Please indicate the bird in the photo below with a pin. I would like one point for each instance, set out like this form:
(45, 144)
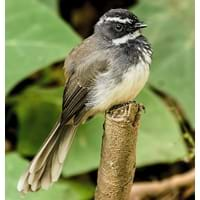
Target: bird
(108, 68)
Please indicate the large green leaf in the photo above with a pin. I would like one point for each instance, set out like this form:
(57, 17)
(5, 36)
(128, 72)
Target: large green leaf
(37, 110)
(53, 4)
(171, 31)
(85, 152)
(62, 190)
(160, 139)
(35, 37)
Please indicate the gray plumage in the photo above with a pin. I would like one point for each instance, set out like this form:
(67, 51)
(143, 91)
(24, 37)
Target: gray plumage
(107, 68)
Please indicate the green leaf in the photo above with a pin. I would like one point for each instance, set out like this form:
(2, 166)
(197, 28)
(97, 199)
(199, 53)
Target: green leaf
(159, 136)
(63, 189)
(171, 31)
(35, 38)
(53, 4)
(159, 139)
(37, 111)
(84, 154)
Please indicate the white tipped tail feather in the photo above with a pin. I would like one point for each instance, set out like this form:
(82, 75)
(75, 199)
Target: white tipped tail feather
(47, 165)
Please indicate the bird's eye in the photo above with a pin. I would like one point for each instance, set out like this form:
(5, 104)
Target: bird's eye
(118, 27)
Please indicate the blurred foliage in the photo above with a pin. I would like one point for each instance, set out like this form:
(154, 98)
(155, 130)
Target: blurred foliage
(63, 189)
(53, 4)
(36, 38)
(172, 37)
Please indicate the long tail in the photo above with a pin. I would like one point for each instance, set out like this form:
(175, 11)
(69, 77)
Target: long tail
(47, 165)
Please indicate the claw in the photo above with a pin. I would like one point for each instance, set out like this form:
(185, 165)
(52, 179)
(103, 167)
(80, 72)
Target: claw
(142, 108)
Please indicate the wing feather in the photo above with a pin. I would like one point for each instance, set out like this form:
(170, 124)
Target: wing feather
(73, 103)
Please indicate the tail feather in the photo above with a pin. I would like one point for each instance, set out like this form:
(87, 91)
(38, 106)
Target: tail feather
(56, 168)
(46, 148)
(47, 165)
(65, 143)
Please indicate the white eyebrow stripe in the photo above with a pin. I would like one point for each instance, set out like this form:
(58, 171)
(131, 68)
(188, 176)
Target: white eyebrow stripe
(100, 21)
(118, 19)
(115, 19)
(125, 38)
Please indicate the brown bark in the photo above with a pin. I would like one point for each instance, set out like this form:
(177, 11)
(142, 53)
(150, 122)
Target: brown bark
(118, 153)
(144, 189)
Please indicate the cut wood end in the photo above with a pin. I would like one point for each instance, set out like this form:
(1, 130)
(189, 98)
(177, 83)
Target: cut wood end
(125, 112)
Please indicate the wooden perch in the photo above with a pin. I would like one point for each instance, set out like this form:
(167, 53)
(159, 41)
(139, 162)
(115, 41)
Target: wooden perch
(118, 153)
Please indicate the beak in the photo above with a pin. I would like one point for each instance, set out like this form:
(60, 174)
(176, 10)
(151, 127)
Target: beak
(140, 25)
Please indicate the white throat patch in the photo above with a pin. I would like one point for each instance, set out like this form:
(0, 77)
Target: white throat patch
(125, 38)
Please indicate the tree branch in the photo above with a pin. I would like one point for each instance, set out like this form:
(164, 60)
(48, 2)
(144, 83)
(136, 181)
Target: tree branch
(118, 153)
(155, 188)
